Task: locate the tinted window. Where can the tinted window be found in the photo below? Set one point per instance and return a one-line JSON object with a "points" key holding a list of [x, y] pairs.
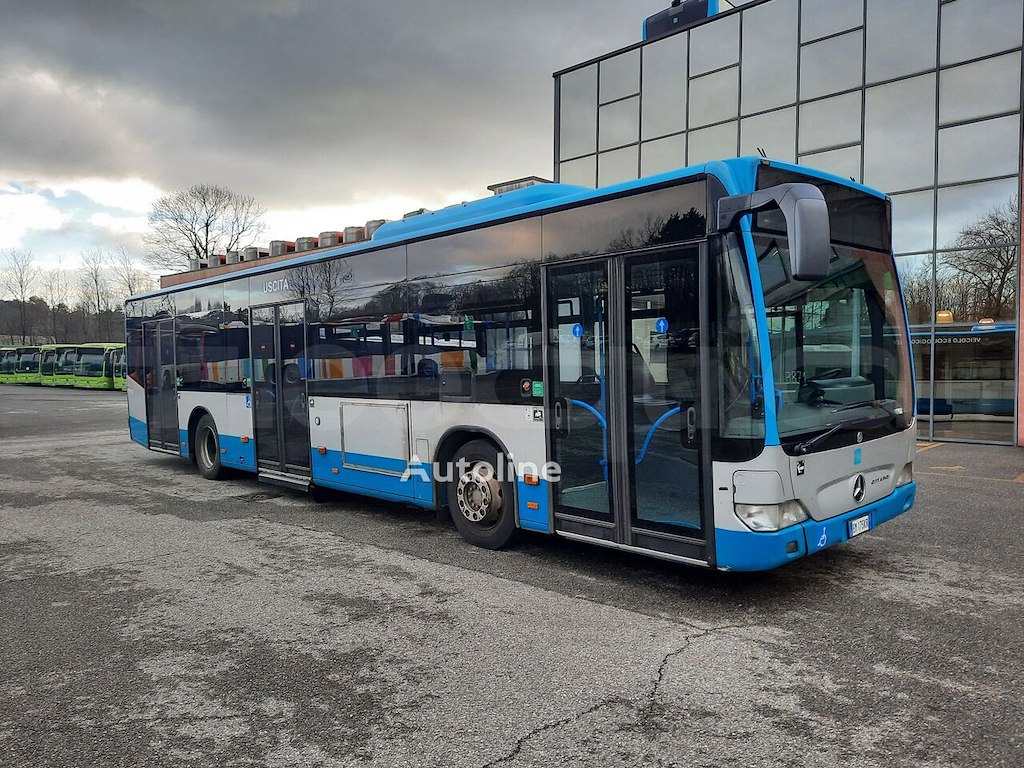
{"points": [[662, 155], [582, 171], [620, 76], [617, 166], [159, 307], [826, 17], [769, 56], [653, 218], [713, 143], [201, 359], [982, 89], [899, 135], [713, 46], [855, 218], [974, 28], [891, 52], [495, 246], [464, 337], [664, 96], [90, 362], [774, 132], [577, 114], [619, 123], [714, 97], [979, 150], [832, 65], [830, 122]]}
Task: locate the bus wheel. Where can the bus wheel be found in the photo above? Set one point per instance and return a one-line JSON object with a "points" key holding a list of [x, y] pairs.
{"points": [[208, 449], [481, 504]]}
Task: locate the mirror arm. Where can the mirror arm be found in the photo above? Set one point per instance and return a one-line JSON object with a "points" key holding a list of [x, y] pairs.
{"points": [[807, 221]]}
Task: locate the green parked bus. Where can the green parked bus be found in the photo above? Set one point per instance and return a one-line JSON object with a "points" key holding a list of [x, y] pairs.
{"points": [[7, 357], [64, 367], [93, 368], [119, 363], [54, 370], [26, 365]]}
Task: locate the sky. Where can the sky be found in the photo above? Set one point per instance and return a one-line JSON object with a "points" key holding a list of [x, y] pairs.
{"points": [[329, 113]]}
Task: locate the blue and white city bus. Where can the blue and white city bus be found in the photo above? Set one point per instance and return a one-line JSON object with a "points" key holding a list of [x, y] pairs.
{"points": [[710, 366]]}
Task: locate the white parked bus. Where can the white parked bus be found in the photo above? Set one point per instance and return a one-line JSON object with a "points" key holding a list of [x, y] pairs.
{"points": [[710, 366]]}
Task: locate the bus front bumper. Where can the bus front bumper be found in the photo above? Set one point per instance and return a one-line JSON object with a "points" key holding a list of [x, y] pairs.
{"points": [[749, 551]]}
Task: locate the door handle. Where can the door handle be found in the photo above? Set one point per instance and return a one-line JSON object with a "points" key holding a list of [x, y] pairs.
{"points": [[689, 431], [560, 416]]}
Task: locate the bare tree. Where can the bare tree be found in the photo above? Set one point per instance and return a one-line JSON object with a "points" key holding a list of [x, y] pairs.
{"points": [[322, 281], [197, 222], [128, 279], [94, 286], [980, 278], [57, 293], [17, 279]]}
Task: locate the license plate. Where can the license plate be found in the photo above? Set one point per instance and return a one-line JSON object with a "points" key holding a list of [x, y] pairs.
{"points": [[860, 525]]}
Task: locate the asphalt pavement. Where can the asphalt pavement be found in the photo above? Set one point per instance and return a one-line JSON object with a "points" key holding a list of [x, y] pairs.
{"points": [[149, 617]]}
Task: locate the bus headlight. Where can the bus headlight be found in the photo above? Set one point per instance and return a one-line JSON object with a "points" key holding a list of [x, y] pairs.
{"points": [[906, 476], [771, 517]]}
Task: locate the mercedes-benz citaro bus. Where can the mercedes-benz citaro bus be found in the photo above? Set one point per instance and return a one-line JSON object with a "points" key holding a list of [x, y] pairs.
{"points": [[64, 366], [710, 366], [8, 355], [26, 366], [93, 366], [50, 364]]}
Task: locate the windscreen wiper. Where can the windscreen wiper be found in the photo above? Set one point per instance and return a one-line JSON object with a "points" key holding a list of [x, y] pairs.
{"points": [[901, 421], [854, 423]]}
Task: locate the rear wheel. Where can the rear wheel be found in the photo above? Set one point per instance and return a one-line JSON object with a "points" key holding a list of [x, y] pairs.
{"points": [[481, 503], [207, 442]]}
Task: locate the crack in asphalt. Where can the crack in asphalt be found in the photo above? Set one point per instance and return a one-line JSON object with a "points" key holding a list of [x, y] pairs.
{"points": [[687, 642], [521, 742], [642, 712]]}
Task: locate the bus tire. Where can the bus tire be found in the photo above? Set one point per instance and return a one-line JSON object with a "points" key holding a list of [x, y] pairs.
{"points": [[481, 505], [207, 453]]}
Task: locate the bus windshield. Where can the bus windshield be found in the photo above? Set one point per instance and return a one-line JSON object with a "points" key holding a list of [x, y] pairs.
{"points": [[90, 362], [28, 361], [839, 346]]}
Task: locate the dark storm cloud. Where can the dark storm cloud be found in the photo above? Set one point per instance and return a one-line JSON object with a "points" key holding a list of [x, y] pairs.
{"points": [[297, 101]]}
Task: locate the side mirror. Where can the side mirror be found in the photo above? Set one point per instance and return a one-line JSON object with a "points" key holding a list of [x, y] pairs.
{"points": [[807, 224]]}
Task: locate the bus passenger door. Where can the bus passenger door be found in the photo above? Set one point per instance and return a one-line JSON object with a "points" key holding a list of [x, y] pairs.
{"points": [[577, 384], [280, 404], [160, 385], [625, 340], [664, 416]]}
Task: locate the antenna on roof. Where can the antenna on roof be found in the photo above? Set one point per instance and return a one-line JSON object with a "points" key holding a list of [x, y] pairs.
{"points": [[762, 153]]}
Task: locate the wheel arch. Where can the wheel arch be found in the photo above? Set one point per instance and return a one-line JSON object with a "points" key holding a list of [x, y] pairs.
{"points": [[451, 441], [193, 421]]}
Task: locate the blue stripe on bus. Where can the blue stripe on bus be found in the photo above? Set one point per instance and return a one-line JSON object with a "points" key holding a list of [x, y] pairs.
{"points": [[534, 519], [368, 477], [139, 431], [749, 551], [183, 443], [238, 455]]}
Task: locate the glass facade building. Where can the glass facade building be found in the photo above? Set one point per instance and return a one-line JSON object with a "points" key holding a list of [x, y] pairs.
{"points": [[918, 98]]}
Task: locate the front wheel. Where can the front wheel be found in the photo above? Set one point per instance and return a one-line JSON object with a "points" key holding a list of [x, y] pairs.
{"points": [[208, 449], [481, 502]]}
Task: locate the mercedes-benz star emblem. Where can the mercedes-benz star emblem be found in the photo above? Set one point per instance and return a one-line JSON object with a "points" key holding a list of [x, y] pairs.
{"points": [[858, 489]]}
